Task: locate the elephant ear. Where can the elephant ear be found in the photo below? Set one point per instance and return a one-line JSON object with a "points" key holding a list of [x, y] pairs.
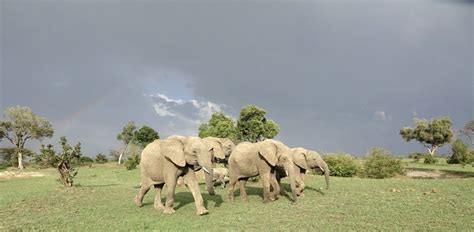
{"points": [[174, 153], [299, 158], [268, 151]]}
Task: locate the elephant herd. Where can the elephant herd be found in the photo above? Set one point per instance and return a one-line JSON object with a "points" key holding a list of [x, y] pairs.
{"points": [[164, 161]]}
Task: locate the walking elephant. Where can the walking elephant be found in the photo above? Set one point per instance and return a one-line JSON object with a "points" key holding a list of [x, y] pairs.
{"points": [[163, 161], [303, 160], [261, 158], [222, 147]]}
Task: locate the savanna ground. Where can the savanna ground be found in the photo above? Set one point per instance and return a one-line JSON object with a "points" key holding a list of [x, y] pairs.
{"points": [[103, 200]]}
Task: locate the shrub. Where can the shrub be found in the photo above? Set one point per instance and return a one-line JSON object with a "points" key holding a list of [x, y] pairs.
{"points": [[430, 159], [132, 162], [342, 165], [416, 156], [85, 159], [381, 164], [101, 158], [460, 153]]}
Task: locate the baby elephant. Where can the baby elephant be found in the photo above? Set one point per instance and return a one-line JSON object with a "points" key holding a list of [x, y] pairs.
{"points": [[221, 174]]}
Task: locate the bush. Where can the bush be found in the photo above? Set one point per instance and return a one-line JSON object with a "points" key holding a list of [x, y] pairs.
{"points": [[132, 162], [342, 165], [416, 156], [85, 159], [430, 159], [381, 164], [460, 153], [101, 158]]}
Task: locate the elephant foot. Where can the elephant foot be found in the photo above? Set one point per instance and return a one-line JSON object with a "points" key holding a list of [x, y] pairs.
{"points": [[245, 200], [202, 211], [158, 206], [137, 202], [168, 210]]}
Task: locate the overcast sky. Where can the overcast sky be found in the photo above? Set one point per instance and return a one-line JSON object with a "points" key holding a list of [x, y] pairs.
{"points": [[335, 75]]}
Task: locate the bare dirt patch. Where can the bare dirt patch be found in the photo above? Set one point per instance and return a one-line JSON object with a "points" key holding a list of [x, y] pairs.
{"points": [[19, 174], [435, 174]]}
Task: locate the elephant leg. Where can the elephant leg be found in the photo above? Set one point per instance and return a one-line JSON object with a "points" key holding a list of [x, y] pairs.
{"points": [[243, 193], [170, 188], [180, 182], [276, 187], [232, 183], [192, 183], [300, 180], [266, 187], [145, 186], [158, 204]]}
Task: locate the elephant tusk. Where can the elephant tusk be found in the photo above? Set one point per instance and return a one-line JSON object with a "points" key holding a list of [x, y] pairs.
{"points": [[205, 169], [321, 169], [286, 173]]}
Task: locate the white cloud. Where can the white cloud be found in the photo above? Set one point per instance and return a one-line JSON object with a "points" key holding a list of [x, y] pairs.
{"points": [[381, 116], [183, 117]]}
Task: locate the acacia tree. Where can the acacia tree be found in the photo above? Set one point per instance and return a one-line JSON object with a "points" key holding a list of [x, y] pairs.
{"points": [[253, 126], [20, 124], [220, 126], [431, 134], [126, 136]]}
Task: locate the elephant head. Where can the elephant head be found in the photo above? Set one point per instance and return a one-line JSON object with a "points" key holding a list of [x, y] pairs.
{"points": [[196, 153], [222, 147], [278, 154], [307, 159]]}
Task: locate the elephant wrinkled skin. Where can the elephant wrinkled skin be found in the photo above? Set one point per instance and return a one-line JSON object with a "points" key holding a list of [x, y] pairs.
{"points": [[261, 158], [303, 160], [163, 161]]}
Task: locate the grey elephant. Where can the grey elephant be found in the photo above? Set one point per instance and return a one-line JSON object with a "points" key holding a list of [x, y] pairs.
{"points": [[163, 161], [261, 158], [220, 174], [303, 160], [222, 147]]}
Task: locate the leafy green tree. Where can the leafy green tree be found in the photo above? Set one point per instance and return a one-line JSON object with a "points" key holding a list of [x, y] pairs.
{"points": [[100, 158], [253, 126], [126, 136], [460, 153], [21, 125], [66, 171], [431, 134], [47, 156], [220, 126], [144, 136]]}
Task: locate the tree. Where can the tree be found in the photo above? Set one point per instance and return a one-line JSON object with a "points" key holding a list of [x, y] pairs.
{"points": [[144, 136], [220, 126], [468, 131], [21, 125], [66, 171], [126, 136], [47, 156], [253, 126], [9, 156], [100, 158], [431, 134], [460, 153]]}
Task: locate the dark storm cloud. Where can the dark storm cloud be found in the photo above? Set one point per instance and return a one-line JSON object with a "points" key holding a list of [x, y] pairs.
{"points": [[335, 75]]}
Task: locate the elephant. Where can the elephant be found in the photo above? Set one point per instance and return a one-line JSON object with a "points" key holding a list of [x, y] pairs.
{"points": [[261, 158], [303, 160], [163, 161], [221, 174], [222, 147]]}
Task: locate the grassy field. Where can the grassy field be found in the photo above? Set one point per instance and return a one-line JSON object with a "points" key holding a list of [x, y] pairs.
{"points": [[103, 200]]}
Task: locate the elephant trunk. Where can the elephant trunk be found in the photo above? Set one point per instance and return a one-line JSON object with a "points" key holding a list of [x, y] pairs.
{"points": [[208, 176], [291, 175], [324, 167]]}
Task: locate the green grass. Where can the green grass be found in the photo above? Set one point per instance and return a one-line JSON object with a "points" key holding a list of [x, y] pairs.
{"points": [[441, 165], [104, 201]]}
